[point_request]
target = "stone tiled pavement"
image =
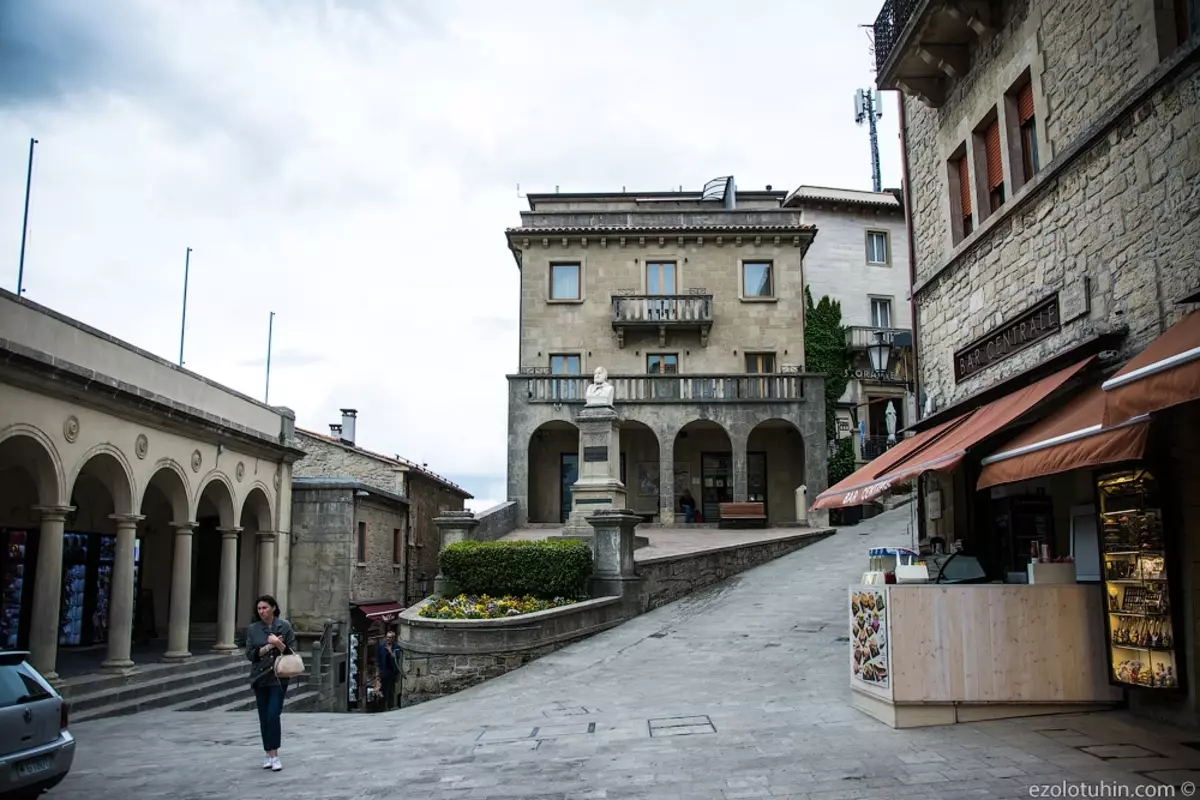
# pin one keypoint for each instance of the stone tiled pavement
(740, 691)
(666, 542)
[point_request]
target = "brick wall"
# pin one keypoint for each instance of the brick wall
(382, 576)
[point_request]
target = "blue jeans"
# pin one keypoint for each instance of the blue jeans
(688, 511)
(270, 707)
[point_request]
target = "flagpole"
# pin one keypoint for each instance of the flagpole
(187, 261)
(25, 220)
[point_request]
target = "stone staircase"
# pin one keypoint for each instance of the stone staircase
(206, 683)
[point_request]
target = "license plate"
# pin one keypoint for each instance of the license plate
(34, 766)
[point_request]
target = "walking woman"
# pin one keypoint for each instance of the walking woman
(267, 638)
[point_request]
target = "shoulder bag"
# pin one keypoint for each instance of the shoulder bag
(289, 665)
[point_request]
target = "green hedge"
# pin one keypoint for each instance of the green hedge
(544, 568)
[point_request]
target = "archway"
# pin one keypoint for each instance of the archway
(775, 466)
(553, 467)
(30, 476)
(164, 503)
(703, 449)
(215, 509)
(256, 565)
(640, 468)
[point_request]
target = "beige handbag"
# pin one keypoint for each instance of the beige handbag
(289, 665)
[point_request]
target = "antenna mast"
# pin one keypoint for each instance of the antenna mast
(866, 109)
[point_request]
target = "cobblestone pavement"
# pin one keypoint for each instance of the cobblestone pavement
(740, 691)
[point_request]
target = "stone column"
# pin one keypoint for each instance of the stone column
(47, 590)
(599, 485)
(227, 591)
(453, 526)
(120, 601)
(179, 626)
(667, 501)
(613, 570)
(740, 471)
(266, 563)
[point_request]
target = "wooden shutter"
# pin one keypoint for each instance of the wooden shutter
(995, 164)
(964, 185)
(1025, 104)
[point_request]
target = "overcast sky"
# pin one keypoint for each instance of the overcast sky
(352, 167)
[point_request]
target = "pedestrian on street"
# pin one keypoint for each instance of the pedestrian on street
(389, 668)
(267, 638)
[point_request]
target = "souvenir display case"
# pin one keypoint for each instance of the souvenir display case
(1137, 570)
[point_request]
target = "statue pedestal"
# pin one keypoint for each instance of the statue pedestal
(599, 486)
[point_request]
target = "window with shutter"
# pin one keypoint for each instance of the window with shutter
(1029, 151)
(964, 188)
(1025, 104)
(995, 165)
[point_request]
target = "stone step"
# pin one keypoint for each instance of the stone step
(299, 698)
(157, 695)
(75, 689)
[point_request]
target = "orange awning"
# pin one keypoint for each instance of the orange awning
(1070, 438)
(1165, 374)
(944, 452)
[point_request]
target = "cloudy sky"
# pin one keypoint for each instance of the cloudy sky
(352, 167)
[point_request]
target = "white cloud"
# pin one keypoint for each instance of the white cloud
(354, 170)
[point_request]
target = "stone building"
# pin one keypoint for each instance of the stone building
(142, 506)
(860, 259)
(694, 304)
(393, 508)
(1052, 167)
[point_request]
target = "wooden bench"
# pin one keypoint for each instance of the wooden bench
(742, 515)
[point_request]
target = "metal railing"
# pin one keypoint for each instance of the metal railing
(890, 23)
(736, 388)
(660, 309)
(859, 337)
(875, 446)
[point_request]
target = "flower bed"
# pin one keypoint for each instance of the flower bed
(485, 607)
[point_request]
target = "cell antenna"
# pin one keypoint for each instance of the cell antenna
(866, 109)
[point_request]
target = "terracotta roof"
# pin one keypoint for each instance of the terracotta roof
(635, 229)
(401, 462)
(854, 196)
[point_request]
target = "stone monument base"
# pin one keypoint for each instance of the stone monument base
(588, 497)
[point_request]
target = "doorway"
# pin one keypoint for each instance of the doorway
(756, 478)
(716, 473)
(568, 473)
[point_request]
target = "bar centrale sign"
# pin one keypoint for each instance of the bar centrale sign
(1030, 327)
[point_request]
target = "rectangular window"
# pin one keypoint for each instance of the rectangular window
(662, 364)
(877, 247)
(660, 277)
(564, 281)
(964, 188)
(397, 546)
(1029, 152)
(565, 364)
(757, 280)
(881, 312)
(995, 165)
(760, 363)
(361, 543)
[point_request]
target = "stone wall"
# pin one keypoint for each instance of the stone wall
(441, 657)
(381, 576)
(326, 458)
(671, 577)
(496, 522)
(427, 499)
(1116, 225)
(322, 556)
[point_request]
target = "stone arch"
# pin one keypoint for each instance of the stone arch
(641, 454)
(171, 480)
(28, 448)
(216, 490)
(110, 467)
(706, 448)
(553, 464)
(257, 508)
(775, 467)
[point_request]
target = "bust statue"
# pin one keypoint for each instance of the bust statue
(601, 392)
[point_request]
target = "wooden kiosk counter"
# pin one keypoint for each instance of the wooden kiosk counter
(934, 654)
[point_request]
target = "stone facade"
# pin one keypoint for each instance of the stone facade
(714, 333)
(1107, 222)
(426, 494)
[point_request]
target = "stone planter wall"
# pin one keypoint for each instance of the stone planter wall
(669, 578)
(442, 656)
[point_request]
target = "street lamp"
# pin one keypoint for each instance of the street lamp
(879, 352)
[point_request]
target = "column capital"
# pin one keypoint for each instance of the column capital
(265, 536)
(184, 528)
(229, 533)
(54, 513)
(126, 519)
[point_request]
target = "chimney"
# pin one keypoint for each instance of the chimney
(335, 430)
(349, 416)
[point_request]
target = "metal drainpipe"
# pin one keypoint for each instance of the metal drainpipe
(912, 300)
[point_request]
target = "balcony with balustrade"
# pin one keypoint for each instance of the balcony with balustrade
(663, 313)
(675, 388)
(922, 46)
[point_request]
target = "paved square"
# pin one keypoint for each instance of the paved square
(754, 670)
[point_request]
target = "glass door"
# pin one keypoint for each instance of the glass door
(760, 364)
(716, 473)
(568, 471)
(756, 478)
(660, 280)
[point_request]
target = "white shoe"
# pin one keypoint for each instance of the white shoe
(276, 764)
(267, 762)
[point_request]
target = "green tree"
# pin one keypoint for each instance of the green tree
(825, 352)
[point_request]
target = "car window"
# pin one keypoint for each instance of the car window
(16, 687)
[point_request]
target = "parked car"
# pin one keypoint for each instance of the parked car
(36, 749)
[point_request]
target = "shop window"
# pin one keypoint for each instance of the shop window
(361, 543)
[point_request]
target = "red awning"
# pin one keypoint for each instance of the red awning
(1070, 438)
(1165, 374)
(383, 611)
(946, 450)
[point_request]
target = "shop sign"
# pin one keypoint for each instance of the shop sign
(1030, 327)
(875, 375)
(870, 660)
